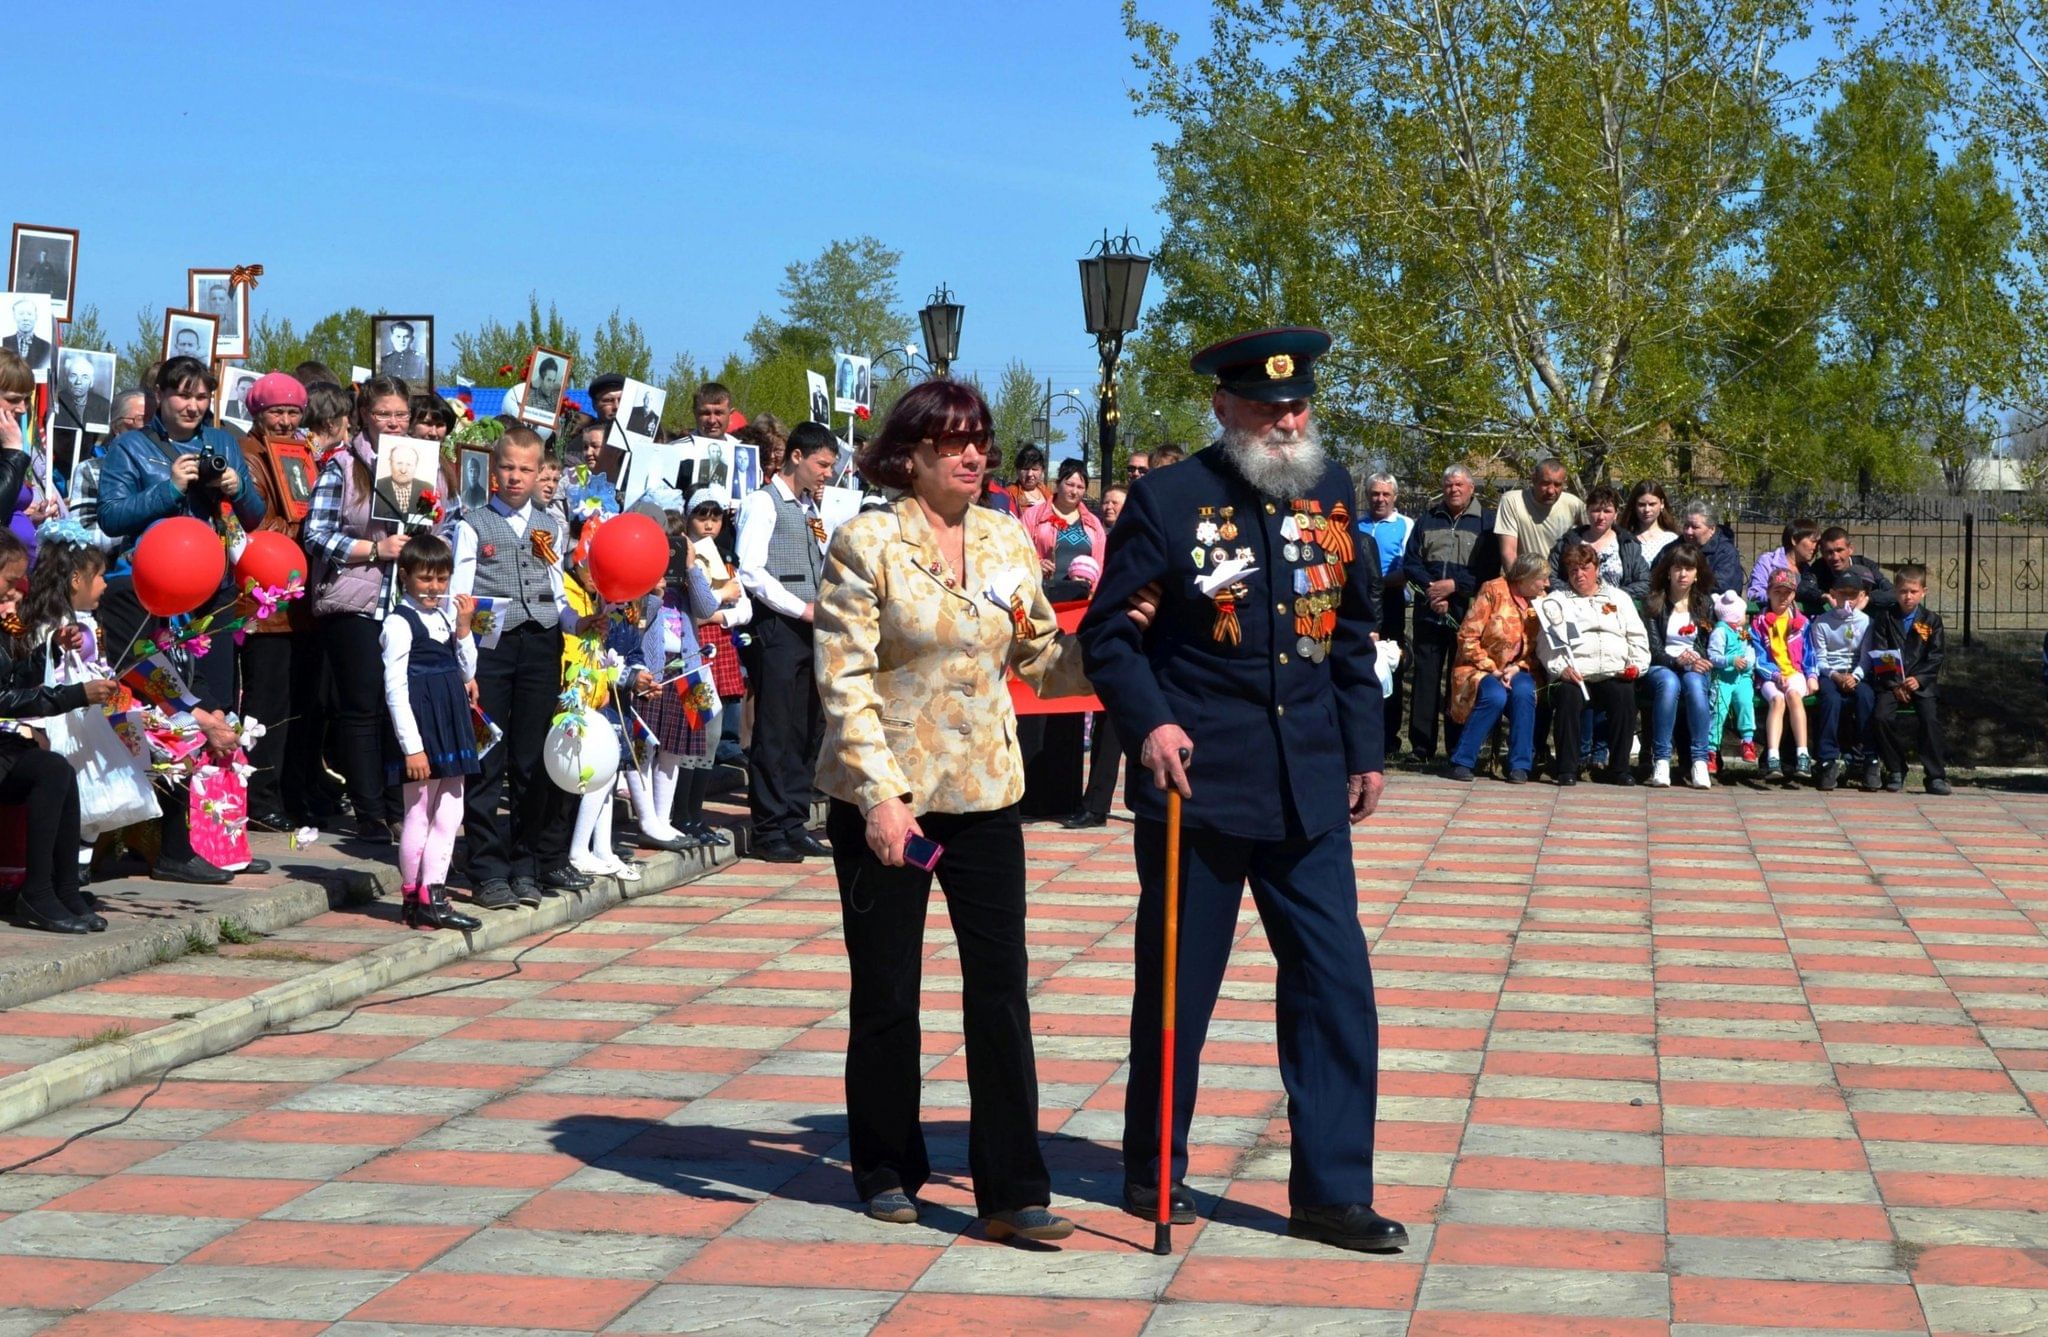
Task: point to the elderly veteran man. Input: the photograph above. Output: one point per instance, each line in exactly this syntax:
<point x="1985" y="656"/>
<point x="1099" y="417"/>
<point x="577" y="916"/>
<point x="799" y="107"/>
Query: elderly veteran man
<point x="1254" y="695"/>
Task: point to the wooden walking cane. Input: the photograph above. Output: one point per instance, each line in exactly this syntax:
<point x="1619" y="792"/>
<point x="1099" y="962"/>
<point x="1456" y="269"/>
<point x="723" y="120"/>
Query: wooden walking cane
<point x="1162" y="1230"/>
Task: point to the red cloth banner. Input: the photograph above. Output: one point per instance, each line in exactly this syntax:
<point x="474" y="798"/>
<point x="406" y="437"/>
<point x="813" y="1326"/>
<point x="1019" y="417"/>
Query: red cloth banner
<point x="1028" y="702"/>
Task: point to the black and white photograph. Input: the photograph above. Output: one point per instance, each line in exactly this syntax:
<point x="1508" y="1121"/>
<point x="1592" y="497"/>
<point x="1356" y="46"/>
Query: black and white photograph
<point x="853" y="388"/>
<point x="405" y="468"/>
<point x="45" y="260"/>
<point x="640" y="408"/>
<point x="234" y="396"/>
<point x="298" y="479"/>
<point x="403" y="346"/>
<point x="476" y="479"/>
<point x="714" y="465"/>
<point x="211" y="291"/>
<point x="544" y="385"/>
<point x="746" y="470"/>
<point x="188" y="334"/>
<point x="67" y="446"/>
<point x="82" y="396"/>
<point x="821" y="398"/>
<point x="31" y="333"/>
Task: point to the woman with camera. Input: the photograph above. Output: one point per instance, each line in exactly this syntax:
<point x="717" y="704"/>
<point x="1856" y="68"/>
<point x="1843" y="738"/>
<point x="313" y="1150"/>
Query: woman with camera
<point x="178" y="463"/>
<point x="923" y="608"/>
<point x="352" y="554"/>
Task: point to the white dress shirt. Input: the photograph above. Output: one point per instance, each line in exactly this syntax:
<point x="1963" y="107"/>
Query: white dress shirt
<point x="397" y="643"/>
<point x="756" y="524"/>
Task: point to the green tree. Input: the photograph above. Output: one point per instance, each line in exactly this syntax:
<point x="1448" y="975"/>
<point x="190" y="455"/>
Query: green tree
<point x="340" y="342"/>
<point x="86" y="331"/>
<point x="620" y="345"/>
<point x="843" y="301"/>
<point x="1016" y="405"/>
<point x="147" y="348"/>
<point x="480" y="353"/>
<point x="1895" y="270"/>
<point x="1509" y="216"/>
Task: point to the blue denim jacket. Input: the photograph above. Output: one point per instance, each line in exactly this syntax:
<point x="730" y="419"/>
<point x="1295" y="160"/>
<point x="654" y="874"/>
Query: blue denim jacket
<point x="136" y="490"/>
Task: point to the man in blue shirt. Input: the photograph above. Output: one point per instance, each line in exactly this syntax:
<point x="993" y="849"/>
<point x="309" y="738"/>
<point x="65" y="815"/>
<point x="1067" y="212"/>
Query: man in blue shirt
<point x="177" y="463"/>
<point x="1390" y="529"/>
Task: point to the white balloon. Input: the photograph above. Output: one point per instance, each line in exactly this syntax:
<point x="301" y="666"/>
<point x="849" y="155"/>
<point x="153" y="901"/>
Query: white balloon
<point x="583" y="763"/>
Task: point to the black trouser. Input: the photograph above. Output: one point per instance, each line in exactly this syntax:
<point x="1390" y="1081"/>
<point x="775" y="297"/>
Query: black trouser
<point x="1615" y="698"/>
<point x="883" y="909"/>
<point x="785" y="723"/>
<point x="123" y="620"/>
<point x="48" y="788"/>
<point x="1105" y="753"/>
<point x="1884" y="723"/>
<point x="281" y="674"/>
<point x="1434" y="648"/>
<point x="518" y="682"/>
<point x="355" y="663"/>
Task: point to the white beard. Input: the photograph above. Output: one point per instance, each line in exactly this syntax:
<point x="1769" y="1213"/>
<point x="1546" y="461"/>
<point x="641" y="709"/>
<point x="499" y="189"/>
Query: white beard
<point x="1279" y="465"/>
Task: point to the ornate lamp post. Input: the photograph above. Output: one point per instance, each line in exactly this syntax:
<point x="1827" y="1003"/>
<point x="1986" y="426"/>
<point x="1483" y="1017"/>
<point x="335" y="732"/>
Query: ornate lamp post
<point x="941" y="319"/>
<point x="1112" y="287"/>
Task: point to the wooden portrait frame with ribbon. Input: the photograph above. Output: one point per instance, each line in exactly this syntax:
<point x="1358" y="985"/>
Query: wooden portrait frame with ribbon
<point x="238" y="281"/>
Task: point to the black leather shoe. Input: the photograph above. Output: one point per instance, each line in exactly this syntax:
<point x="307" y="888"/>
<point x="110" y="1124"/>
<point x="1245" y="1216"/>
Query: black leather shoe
<point x="1895" y="782"/>
<point x="1351" y="1226"/>
<point x="675" y="845"/>
<point x="1085" y="819"/>
<point x="565" y="878"/>
<point x="255" y="866"/>
<point x="1873" y="777"/>
<point x="1142" y="1201"/>
<point x="706" y="832"/>
<point x="272" y="819"/>
<point x="495" y="894"/>
<point x="778" y="851"/>
<point x="526" y="891"/>
<point x="27" y="916"/>
<point x="434" y="911"/>
<point x="1518" y="777"/>
<point x="193" y="870"/>
<point x="1940" y="787"/>
<point x="807" y="843"/>
<point x="1827" y="775"/>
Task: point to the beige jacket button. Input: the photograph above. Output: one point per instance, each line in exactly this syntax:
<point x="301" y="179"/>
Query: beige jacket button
<point x="1283" y="657"/>
<point x="1279" y="710"/>
<point x="1269" y="508"/>
<point x="1279" y="608"/>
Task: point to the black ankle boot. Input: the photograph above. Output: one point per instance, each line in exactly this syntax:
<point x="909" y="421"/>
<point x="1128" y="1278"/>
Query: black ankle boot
<point x="429" y="908"/>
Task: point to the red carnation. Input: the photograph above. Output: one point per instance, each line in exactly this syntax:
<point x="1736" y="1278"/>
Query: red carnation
<point x="1688" y="630"/>
<point x="490" y="550"/>
<point x="861" y="411"/>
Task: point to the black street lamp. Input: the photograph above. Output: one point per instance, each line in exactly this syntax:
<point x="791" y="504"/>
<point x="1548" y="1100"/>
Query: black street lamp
<point x="941" y="319"/>
<point x="1112" y="286"/>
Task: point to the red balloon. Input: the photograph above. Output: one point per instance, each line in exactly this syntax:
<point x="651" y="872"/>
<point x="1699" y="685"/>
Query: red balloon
<point x="271" y="560"/>
<point x="628" y="557"/>
<point x="178" y="565"/>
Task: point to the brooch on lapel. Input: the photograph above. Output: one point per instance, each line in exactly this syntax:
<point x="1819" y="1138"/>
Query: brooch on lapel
<point x="490" y="551"/>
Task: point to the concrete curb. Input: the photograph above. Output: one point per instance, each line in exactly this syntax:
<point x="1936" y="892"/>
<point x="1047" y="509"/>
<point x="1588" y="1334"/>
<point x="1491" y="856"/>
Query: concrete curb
<point x="66" y="1081"/>
<point x="28" y="978"/>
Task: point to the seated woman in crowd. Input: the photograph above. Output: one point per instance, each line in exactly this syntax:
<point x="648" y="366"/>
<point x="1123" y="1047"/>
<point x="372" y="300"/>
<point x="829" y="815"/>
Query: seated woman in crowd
<point x="1795" y="554"/>
<point x="1784" y="664"/>
<point x="1649" y="518"/>
<point x="1593" y="649"/>
<point x="1681" y="621"/>
<point x="1497" y="670"/>
<point x="1619" y="555"/>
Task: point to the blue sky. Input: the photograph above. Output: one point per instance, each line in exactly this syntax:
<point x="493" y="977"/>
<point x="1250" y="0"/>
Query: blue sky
<point x="670" y="158"/>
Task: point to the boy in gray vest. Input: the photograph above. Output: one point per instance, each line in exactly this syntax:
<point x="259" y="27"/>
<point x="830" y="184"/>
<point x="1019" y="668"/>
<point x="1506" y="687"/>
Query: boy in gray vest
<point x="512" y="550"/>
<point x="781" y="551"/>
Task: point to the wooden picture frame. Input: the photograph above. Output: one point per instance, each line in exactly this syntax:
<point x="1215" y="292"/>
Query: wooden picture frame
<point x="59" y="290"/>
<point x="414" y="363"/>
<point x="540" y="407"/>
<point x="178" y="319"/>
<point x="209" y="292"/>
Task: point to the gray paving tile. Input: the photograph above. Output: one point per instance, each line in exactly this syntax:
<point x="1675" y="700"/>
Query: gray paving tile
<point x="260" y="1160"/>
<point x="113" y="1236"/>
<point x="1557" y="1291"/>
<point x="251" y="1292"/>
<point x="752" y="1309"/>
<point x="402" y="1204"/>
<point x="551" y="1253"/>
<point x="1203" y="1320"/>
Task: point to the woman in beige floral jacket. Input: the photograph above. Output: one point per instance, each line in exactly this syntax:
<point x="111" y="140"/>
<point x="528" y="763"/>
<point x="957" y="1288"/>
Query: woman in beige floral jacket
<point x="923" y="608"/>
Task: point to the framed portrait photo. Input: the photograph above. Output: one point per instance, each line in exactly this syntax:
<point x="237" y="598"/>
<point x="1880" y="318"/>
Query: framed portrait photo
<point x="406" y="468"/>
<point x="821" y="398"/>
<point x="31" y="330"/>
<point x="640" y="408"/>
<point x="853" y="384"/>
<point x="209" y="291"/>
<point x="82" y="395"/>
<point x="233" y="405"/>
<point x="746" y="471"/>
<point x="544" y="386"/>
<point x="403" y="346"/>
<point x="189" y="334"/>
<point x="45" y="260"/>
<point x="475" y="479"/>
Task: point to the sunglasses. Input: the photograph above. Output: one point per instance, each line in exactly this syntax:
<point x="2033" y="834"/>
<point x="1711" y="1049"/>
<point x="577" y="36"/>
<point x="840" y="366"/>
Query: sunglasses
<point x="952" y="445"/>
<point x="1139" y="470"/>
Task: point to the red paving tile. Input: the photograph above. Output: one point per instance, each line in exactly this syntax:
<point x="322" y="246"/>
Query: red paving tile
<point x="1443" y="1323"/>
<point x="649" y="1213"/>
<point x="180" y="1195"/>
<point x="931" y="1315"/>
<point x="758" y="1262"/>
<point x="1336" y="1281"/>
<point x="69" y="1283"/>
<point x="500" y="1169"/>
<point x="578" y="1303"/>
<point x="126" y="1324"/>
<point x="1518" y="1246"/>
<point x="1750" y="1303"/>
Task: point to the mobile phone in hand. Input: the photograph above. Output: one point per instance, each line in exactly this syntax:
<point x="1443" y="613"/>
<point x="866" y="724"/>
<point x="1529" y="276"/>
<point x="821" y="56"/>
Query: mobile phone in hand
<point x="922" y="853"/>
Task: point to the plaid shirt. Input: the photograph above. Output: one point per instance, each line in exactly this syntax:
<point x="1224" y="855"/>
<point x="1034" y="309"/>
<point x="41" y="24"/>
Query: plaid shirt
<point x="326" y="532"/>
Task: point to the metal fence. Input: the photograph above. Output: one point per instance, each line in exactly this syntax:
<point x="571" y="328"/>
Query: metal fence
<point x="1987" y="564"/>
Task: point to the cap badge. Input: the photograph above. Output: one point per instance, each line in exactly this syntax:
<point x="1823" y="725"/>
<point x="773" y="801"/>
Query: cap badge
<point x="1279" y="367"/>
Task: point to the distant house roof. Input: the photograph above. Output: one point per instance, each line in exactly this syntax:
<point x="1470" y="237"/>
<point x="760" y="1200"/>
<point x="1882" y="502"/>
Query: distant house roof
<point x="486" y="400"/>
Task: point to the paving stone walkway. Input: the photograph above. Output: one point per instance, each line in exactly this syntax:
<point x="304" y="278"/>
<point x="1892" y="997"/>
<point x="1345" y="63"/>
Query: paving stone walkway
<point x="1772" y="1063"/>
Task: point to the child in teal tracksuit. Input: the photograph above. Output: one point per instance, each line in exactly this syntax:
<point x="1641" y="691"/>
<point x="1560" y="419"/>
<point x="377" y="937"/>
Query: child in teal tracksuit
<point x="1728" y="650"/>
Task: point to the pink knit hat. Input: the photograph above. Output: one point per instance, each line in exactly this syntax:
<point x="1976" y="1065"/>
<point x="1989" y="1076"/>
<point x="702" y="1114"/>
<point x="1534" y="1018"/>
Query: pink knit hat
<point x="276" y="390"/>
<point x="1085" y="568"/>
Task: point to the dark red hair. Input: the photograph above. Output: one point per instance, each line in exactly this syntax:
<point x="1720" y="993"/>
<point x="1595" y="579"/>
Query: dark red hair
<point x="924" y="413"/>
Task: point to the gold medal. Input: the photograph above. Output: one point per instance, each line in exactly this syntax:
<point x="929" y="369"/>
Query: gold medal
<point x="1228" y="531"/>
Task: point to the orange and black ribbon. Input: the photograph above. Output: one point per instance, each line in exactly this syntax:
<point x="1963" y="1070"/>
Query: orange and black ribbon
<point x="1226" y="629"/>
<point x="817" y="528"/>
<point x="544" y="546"/>
<point x="1020" y="616"/>
<point x="244" y="276"/>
